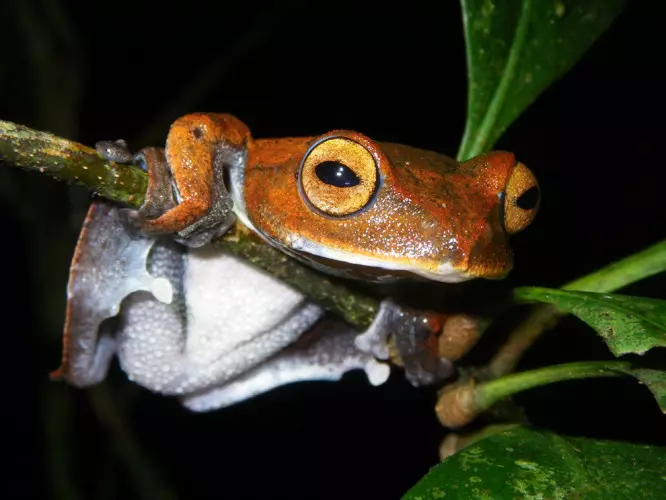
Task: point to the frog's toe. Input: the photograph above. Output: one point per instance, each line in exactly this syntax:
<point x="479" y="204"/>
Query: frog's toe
<point x="162" y="214"/>
<point x="412" y="333"/>
<point x="114" y="151"/>
<point x="215" y="223"/>
<point x="159" y="197"/>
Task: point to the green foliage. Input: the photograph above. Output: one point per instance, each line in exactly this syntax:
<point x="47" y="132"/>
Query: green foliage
<point x="524" y="463"/>
<point x="515" y="50"/>
<point x="627" y="324"/>
<point x="655" y="381"/>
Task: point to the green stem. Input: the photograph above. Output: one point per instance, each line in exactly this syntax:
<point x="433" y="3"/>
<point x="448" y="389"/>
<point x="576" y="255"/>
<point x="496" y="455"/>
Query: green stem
<point x="469" y="146"/>
<point x="489" y="393"/>
<point x="636" y="267"/>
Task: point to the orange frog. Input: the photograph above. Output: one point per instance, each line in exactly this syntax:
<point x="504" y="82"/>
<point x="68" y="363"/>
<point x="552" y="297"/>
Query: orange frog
<point x="213" y="330"/>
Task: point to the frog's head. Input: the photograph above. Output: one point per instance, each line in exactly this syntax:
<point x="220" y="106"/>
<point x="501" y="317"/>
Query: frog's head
<point x="375" y="211"/>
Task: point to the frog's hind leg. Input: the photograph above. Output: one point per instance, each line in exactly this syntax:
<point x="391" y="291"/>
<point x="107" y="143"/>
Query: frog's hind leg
<point x="326" y="352"/>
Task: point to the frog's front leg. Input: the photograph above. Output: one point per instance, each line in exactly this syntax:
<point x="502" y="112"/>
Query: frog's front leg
<point x="186" y="194"/>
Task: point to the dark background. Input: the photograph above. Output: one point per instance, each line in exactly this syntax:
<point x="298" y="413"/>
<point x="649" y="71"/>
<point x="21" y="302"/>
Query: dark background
<point x="122" y="69"/>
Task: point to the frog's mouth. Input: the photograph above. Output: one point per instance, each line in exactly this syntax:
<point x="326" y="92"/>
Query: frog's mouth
<point x="367" y="268"/>
<point x="350" y="264"/>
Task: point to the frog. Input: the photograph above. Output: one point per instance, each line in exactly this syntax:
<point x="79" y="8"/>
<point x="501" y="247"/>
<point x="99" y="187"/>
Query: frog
<point x="186" y="319"/>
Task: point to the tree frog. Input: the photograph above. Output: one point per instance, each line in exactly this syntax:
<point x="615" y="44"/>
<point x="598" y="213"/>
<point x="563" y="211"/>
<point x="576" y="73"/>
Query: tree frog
<point x="188" y="320"/>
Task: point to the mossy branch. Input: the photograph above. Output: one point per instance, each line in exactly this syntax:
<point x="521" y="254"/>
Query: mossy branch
<point x="75" y="163"/>
<point x="72" y="162"/>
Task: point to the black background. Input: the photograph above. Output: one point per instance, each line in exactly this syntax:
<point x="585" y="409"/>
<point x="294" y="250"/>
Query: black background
<point x="124" y="69"/>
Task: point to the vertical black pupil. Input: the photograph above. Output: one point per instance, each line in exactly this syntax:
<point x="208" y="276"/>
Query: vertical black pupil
<point x="336" y="174"/>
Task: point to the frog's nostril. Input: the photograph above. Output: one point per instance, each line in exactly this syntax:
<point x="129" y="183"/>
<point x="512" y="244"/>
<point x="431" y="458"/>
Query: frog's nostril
<point x="429" y="224"/>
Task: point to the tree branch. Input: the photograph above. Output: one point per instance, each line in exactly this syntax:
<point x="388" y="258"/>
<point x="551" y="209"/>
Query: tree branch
<point x="72" y="162"/>
<point x="75" y="163"/>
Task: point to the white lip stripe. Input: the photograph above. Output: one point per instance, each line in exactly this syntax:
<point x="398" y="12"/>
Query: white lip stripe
<point x="444" y="272"/>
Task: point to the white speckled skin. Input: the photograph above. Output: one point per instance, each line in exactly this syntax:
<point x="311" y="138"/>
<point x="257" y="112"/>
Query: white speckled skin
<point x="325" y="353"/>
<point x="225" y="332"/>
<point x="229" y="318"/>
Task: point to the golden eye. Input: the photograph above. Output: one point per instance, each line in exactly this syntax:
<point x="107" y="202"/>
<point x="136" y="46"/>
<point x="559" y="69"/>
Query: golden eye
<point x="521" y="199"/>
<point x="338" y="176"/>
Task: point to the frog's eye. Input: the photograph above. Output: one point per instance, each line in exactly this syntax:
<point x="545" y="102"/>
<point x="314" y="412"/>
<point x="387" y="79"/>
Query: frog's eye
<point x="338" y="176"/>
<point x="521" y="199"/>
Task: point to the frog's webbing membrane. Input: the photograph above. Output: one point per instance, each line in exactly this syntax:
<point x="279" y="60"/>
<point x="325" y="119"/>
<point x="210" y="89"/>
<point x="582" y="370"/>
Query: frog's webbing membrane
<point x="109" y="263"/>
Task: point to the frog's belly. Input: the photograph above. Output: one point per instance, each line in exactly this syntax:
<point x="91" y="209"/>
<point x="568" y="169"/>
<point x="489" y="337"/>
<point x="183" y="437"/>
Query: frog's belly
<point x="226" y="317"/>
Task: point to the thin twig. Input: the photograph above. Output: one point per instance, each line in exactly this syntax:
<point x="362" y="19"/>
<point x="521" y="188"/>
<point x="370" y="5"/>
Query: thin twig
<point x="461" y="403"/>
<point x="71" y="162"/>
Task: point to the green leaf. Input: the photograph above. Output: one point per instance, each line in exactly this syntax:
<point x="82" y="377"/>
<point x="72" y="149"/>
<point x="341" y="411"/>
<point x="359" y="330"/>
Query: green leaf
<point x="627" y="324"/>
<point x="524" y="463"/>
<point x="515" y="50"/>
<point x="655" y="380"/>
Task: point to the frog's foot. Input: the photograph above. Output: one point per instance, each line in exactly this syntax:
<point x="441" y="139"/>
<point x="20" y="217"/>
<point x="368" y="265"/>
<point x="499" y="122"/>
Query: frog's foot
<point x="159" y="195"/>
<point x="191" y="222"/>
<point x="114" y="151"/>
<point x="409" y="338"/>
